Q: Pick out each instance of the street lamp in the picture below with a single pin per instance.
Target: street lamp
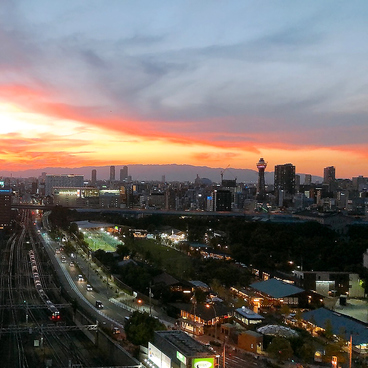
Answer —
(214, 309)
(224, 354)
(139, 301)
(26, 304)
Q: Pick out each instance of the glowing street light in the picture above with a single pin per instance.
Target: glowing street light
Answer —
(211, 305)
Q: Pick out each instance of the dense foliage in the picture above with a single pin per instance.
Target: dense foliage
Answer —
(140, 328)
(263, 245)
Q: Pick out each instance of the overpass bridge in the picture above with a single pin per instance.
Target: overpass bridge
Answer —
(134, 212)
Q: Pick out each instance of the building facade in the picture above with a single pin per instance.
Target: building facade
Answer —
(5, 207)
(62, 181)
(124, 174)
(284, 183)
(112, 174)
(176, 349)
(329, 177)
(94, 177)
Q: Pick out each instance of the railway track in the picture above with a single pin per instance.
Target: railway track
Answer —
(30, 298)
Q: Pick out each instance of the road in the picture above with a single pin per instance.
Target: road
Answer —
(238, 359)
(110, 314)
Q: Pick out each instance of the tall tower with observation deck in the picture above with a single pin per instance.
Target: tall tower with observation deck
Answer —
(261, 190)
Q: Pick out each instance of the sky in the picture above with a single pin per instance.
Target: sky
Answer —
(209, 83)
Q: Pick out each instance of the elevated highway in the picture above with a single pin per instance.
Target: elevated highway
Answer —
(137, 212)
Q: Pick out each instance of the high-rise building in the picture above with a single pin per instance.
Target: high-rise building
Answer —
(284, 182)
(307, 179)
(62, 181)
(261, 187)
(221, 200)
(124, 173)
(329, 174)
(329, 177)
(297, 183)
(360, 183)
(112, 173)
(5, 206)
(94, 177)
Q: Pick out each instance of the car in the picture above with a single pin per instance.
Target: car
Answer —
(89, 287)
(80, 278)
(63, 259)
(71, 264)
(99, 304)
(115, 331)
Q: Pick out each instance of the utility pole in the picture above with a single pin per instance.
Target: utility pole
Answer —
(149, 294)
(214, 310)
(26, 303)
(350, 349)
(223, 354)
(88, 261)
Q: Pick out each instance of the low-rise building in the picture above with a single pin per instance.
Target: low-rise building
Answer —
(176, 349)
(341, 325)
(331, 283)
(247, 317)
(194, 318)
(251, 341)
(276, 293)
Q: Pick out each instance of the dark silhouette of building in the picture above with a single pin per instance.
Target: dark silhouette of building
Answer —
(5, 207)
(221, 200)
(329, 177)
(284, 183)
(307, 179)
(94, 177)
(124, 173)
(112, 174)
(261, 187)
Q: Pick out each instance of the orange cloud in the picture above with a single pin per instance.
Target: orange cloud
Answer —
(149, 142)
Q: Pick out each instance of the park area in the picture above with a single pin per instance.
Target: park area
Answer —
(169, 259)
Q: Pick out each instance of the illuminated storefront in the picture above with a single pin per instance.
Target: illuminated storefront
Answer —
(176, 349)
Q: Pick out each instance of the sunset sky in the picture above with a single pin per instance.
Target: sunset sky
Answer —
(209, 83)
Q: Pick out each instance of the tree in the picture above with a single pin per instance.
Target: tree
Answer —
(73, 228)
(280, 349)
(140, 328)
(328, 329)
(334, 350)
(122, 250)
(306, 352)
(285, 309)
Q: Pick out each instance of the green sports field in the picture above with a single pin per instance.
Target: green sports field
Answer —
(97, 239)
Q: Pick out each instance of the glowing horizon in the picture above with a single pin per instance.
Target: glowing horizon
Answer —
(151, 91)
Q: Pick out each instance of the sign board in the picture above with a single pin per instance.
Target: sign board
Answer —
(181, 357)
(203, 363)
(158, 357)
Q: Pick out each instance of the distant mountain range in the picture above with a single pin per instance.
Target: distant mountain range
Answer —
(155, 172)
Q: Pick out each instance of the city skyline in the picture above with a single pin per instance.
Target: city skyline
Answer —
(212, 84)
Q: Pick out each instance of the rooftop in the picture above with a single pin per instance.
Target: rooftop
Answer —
(184, 343)
(247, 313)
(341, 323)
(276, 288)
(92, 224)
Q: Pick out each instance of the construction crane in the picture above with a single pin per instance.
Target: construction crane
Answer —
(223, 171)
